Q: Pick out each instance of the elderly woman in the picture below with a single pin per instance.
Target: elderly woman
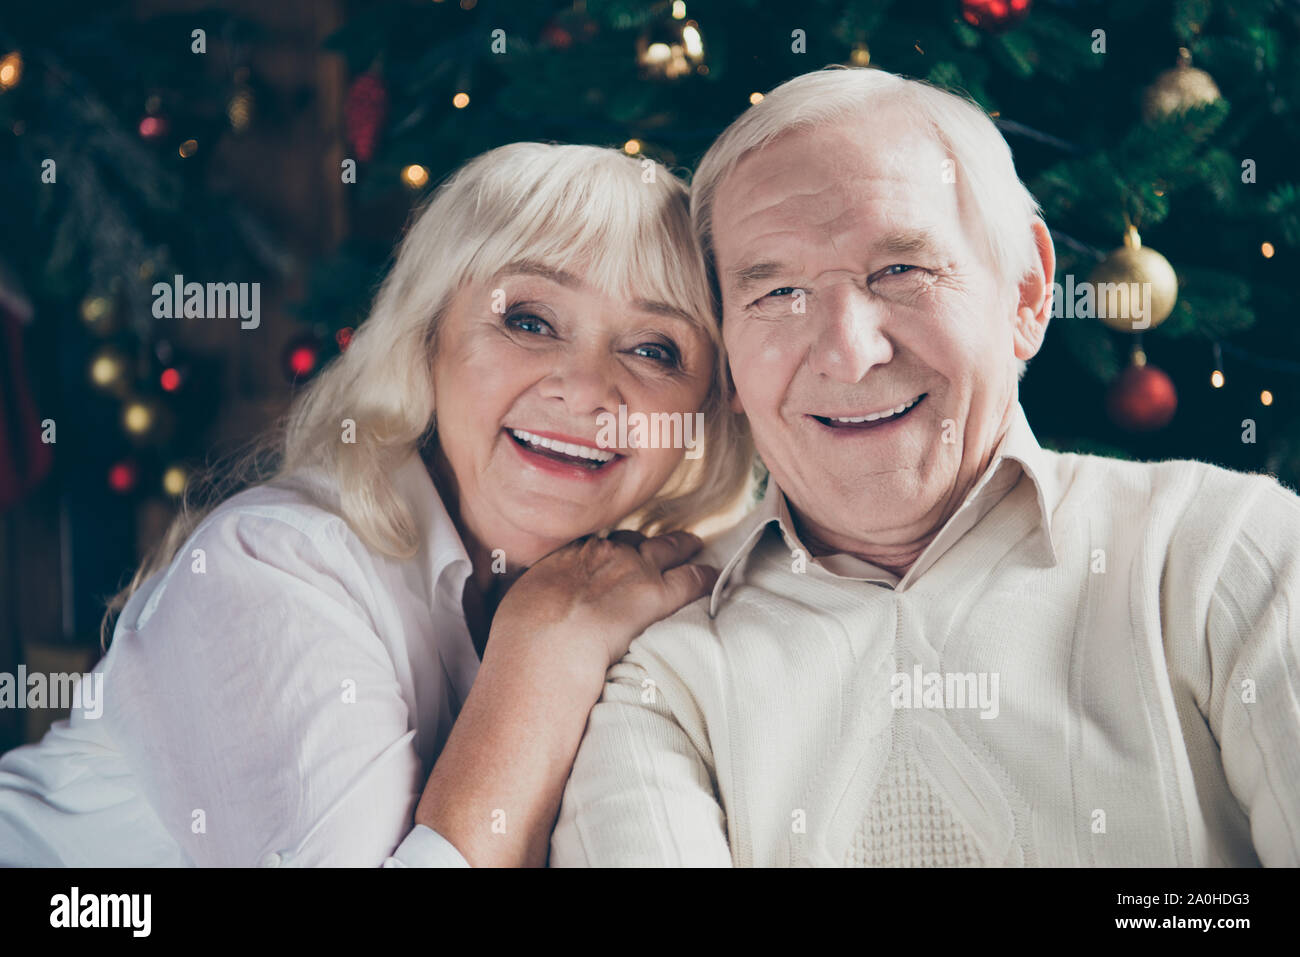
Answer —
(384, 650)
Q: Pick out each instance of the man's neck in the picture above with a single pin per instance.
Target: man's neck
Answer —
(895, 559)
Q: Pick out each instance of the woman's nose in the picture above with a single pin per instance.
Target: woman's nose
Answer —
(850, 337)
(585, 382)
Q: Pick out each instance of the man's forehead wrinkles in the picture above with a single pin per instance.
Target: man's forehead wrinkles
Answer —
(828, 223)
(756, 204)
(859, 195)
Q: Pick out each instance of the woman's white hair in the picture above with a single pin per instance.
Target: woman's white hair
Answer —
(622, 223)
(985, 173)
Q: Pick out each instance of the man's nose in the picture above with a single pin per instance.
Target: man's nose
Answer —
(585, 381)
(850, 334)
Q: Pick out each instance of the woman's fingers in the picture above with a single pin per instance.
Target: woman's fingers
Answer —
(667, 551)
(626, 536)
(685, 583)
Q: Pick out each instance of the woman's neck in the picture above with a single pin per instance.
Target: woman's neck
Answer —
(490, 577)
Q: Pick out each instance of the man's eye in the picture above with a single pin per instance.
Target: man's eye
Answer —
(658, 352)
(527, 322)
(781, 292)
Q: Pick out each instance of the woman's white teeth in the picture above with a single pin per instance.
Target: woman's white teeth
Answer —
(564, 448)
(879, 415)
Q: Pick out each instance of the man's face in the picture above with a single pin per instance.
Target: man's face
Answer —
(854, 290)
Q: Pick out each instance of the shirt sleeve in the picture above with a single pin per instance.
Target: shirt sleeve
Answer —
(1253, 638)
(260, 708)
(640, 794)
(425, 847)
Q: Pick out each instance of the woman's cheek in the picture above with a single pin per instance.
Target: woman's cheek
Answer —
(661, 463)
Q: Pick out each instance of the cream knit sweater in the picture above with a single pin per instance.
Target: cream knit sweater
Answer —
(1127, 637)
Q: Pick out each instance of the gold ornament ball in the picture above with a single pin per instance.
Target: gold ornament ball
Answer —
(670, 48)
(1140, 286)
(108, 370)
(11, 70)
(139, 417)
(174, 481)
(98, 314)
(1179, 89)
(239, 111)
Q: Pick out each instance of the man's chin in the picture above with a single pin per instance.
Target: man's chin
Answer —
(871, 515)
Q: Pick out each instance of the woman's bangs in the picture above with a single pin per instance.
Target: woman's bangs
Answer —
(628, 239)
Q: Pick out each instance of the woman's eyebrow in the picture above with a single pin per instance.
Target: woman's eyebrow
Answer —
(525, 267)
(528, 267)
(658, 308)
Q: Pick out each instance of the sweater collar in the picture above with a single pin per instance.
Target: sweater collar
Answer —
(1018, 454)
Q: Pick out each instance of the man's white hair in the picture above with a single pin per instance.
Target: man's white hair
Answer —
(1003, 209)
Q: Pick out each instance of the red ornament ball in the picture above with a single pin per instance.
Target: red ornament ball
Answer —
(122, 476)
(364, 114)
(994, 16)
(170, 380)
(300, 358)
(153, 127)
(1142, 399)
(556, 37)
(565, 29)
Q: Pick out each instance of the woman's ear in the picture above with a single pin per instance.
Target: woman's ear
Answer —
(1034, 310)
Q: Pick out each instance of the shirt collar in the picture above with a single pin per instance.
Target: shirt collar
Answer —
(1017, 454)
(443, 555)
(444, 565)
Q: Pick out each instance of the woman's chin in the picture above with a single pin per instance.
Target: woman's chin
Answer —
(561, 533)
(546, 529)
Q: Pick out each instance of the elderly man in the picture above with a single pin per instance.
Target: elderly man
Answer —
(934, 642)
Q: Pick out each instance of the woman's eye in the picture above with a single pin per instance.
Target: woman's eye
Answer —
(527, 322)
(658, 352)
(897, 269)
(781, 292)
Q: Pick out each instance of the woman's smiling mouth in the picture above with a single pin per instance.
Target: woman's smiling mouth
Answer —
(562, 455)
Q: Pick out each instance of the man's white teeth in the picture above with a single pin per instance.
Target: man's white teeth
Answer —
(879, 415)
(565, 448)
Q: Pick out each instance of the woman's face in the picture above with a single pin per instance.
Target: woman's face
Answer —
(528, 368)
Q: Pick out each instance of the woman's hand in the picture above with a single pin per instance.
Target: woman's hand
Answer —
(495, 790)
(590, 598)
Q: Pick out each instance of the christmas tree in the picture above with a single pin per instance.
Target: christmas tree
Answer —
(111, 133)
(1157, 135)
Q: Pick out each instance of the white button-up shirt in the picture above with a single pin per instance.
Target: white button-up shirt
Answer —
(276, 696)
(1094, 663)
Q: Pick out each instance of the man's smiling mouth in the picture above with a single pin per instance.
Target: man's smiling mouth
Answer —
(871, 420)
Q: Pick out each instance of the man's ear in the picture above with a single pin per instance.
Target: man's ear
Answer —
(1035, 307)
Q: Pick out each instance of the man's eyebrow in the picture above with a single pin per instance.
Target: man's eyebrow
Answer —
(745, 278)
(899, 243)
(904, 242)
